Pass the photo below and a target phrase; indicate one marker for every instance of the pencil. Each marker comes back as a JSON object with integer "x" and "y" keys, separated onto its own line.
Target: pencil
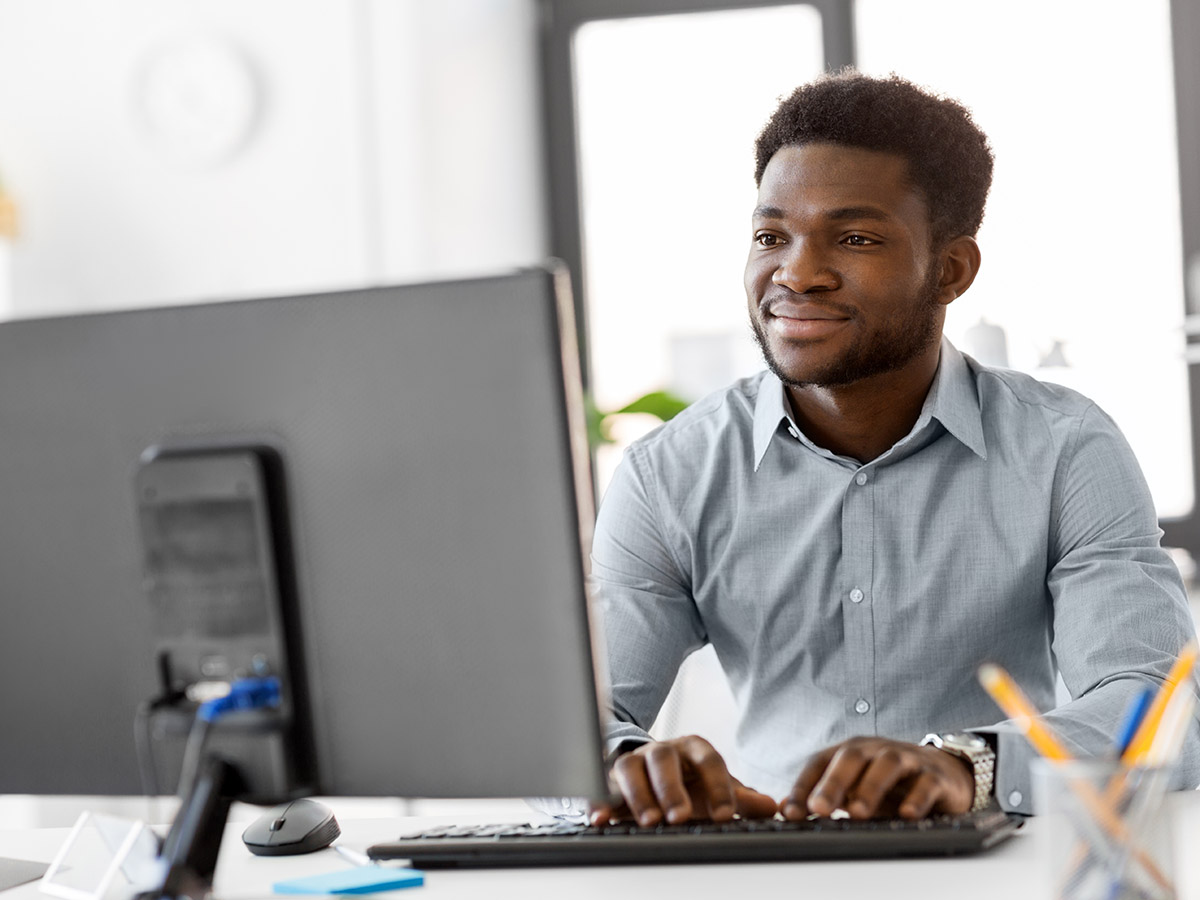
{"x": 1016, "y": 705}
{"x": 1144, "y": 738}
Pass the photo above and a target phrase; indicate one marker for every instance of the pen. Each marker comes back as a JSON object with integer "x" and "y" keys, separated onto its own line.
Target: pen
{"x": 1133, "y": 719}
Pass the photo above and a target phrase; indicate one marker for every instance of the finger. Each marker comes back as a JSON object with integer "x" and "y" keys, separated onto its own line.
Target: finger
{"x": 665, "y": 771}
{"x": 842, "y": 774}
{"x": 751, "y": 804}
{"x": 629, "y": 773}
{"x": 715, "y": 782}
{"x": 600, "y": 813}
{"x": 925, "y": 791}
{"x": 604, "y": 811}
{"x": 795, "y": 805}
{"x": 884, "y": 771}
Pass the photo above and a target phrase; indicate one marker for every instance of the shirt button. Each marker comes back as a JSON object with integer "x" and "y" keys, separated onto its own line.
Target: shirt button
{"x": 793, "y": 432}
{"x": 1015, "y": 798}
{"x": 862, "y": 707}
{"x": 860, "y": 479}
{"x": 856, "y": 595}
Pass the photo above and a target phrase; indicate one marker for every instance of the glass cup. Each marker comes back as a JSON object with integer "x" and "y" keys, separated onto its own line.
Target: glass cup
{"x": 1104, "y": 829}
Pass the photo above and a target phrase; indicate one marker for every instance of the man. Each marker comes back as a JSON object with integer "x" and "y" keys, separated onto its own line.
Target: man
{"x": 856, "y": 529}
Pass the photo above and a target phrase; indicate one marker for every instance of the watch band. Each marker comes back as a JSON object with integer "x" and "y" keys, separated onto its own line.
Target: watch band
{"x": 978, "y": 753}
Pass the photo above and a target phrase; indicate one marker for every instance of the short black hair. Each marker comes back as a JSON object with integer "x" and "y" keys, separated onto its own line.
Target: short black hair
{"x": 948, "y": 156}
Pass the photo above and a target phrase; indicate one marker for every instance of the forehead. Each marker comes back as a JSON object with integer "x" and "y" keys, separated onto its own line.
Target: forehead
{"x": 815, "y": 178}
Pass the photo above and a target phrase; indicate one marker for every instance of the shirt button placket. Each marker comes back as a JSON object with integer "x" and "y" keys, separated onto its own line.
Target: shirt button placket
{"x": 858, "y": 543}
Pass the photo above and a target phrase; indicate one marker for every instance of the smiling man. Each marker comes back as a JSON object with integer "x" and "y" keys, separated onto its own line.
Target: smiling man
{"x": 860, "y": 526}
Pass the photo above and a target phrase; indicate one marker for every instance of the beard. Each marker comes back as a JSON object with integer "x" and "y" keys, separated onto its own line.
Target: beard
{"x": 871, "y": 354}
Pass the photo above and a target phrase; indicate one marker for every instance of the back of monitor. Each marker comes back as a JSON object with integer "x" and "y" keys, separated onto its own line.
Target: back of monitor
{"x": 430, "y": 438}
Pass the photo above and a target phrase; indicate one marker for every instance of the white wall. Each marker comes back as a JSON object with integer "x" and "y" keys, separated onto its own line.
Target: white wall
{"x": 179, "y": 150}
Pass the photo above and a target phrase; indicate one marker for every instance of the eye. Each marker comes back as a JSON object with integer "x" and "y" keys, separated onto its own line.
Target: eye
{"x": 859, "y": 240}
{"x": 766, "y": 239}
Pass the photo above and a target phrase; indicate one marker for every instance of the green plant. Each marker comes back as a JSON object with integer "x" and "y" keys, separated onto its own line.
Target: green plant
{"x": 661, "y": 404}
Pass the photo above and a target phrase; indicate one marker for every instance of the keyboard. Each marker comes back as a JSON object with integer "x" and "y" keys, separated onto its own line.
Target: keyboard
{"x": 742, "y": 840}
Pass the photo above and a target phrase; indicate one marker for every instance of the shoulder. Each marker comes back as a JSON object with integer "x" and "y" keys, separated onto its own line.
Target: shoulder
{"x": 1023, "y": 408}
{"x": 1009, "y": 389}
{"x": 1041, "y": 426}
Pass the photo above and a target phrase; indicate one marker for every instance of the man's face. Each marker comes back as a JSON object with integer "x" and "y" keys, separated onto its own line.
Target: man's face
{"x": 841, "y": 280}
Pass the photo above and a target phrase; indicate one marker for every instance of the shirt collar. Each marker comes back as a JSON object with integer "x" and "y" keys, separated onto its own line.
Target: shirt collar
{"x": 952, "y": 400}
{"x": 770, "y": 409}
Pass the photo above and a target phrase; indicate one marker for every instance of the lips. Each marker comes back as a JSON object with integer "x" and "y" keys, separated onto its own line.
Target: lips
{"x": 802, "y": 320}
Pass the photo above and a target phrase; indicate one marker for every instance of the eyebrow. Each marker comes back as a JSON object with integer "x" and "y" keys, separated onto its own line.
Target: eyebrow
{"x": 839, "y": 214}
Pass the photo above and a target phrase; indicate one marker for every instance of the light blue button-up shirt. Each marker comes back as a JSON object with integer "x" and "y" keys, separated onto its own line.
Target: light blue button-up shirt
{"x": 1012, "y": 524}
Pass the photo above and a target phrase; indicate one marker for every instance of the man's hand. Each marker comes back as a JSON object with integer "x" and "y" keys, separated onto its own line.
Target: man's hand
{"x": 870, "y": 776}
{"x": 680, "y": 779}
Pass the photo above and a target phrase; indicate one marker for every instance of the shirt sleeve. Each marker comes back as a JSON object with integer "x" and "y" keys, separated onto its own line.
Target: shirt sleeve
{"x": 1120, "y": 611}
{"x": 646, "y": 610}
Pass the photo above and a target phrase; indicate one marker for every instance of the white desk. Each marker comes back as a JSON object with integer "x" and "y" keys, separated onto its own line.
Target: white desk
{"x": 1009, "y": 872}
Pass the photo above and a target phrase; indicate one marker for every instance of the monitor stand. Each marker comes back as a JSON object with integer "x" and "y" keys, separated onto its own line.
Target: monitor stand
{"x": 189, "y": 852}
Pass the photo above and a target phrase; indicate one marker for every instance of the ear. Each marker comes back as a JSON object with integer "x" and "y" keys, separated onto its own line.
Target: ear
{"x": 959, "y": 261}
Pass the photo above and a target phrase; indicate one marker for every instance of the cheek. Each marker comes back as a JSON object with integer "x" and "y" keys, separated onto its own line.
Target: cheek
{"x": 755, "y": 279}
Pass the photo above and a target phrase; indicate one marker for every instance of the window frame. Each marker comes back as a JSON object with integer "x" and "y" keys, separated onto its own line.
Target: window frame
{"x": 1184, "y": 532}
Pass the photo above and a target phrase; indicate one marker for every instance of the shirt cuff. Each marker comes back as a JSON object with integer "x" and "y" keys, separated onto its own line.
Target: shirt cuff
{"x": 1012, "y": 781}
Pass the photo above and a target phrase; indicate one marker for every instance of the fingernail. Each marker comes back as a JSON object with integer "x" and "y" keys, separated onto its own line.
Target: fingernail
{"x": 792, "y": 810}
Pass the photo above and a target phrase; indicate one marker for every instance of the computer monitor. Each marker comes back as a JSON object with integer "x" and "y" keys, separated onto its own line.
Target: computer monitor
{"x": 424, "y": 479}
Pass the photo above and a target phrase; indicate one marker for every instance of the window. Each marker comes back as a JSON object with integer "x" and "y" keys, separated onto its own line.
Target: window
{"x": 667, "y": 109}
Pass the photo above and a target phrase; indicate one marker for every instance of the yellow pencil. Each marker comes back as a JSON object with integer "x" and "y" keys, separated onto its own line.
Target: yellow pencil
{"x": 1016, "y": 705}
{"x": 1143, "y": 738}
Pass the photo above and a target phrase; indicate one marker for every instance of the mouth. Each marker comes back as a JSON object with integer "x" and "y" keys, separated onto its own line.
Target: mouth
{"x": 794, "y": 321}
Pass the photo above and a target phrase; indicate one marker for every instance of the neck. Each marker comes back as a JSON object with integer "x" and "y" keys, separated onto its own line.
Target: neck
{"x": 863, "y": 420}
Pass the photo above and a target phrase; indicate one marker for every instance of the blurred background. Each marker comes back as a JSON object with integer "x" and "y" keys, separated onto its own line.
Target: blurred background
{"x": 173, "y": 151}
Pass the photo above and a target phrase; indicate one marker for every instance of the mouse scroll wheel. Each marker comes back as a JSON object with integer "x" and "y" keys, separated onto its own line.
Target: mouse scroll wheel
{"x": 277, "y": 824}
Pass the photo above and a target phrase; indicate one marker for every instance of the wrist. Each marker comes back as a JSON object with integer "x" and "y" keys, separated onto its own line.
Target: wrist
{"x": 966, "y": 769}
{"x": 977, "y": 759}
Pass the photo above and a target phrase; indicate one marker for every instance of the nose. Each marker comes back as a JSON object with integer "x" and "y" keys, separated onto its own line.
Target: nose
{"x": 804, "y": 268}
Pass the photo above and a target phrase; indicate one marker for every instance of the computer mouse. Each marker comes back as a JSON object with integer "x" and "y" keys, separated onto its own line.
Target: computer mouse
{"x": 301, "y": 826}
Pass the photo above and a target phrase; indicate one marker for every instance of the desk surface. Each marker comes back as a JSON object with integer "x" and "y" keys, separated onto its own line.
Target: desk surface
{"x": 1009, "y": 871}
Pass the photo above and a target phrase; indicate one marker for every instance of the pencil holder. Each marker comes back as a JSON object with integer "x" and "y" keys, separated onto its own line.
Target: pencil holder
{"x": 1104, "y": 829}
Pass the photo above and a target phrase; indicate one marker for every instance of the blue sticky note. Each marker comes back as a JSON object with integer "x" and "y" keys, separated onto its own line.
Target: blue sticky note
{"x": 361, "y": 880}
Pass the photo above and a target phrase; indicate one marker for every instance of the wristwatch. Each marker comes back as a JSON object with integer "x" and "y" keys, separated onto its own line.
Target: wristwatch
{"x": 977, "y": 752}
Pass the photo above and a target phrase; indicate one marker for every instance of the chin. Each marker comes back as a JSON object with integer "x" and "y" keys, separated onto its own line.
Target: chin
{"x": 802, "y": 368}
